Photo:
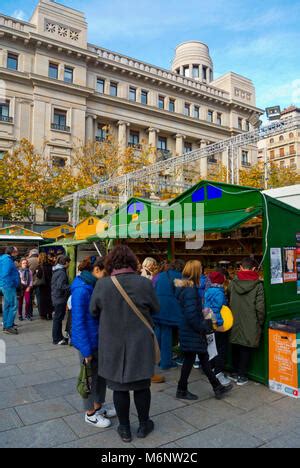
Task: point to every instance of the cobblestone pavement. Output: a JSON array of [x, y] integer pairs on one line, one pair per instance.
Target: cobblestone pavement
[[39, 406]]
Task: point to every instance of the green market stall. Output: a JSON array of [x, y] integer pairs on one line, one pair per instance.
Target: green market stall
[[238, 221]]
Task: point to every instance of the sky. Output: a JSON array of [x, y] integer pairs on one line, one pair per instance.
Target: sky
[[257, 39]]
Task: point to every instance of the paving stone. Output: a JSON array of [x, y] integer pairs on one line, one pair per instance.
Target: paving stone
[[26, 380], [168, 428], [264, 422], [20, 358], [9, 419], [7, 370], [251, 396], [21, 396], [172, 445], [75, 400], [108, 438], [44, 411], [69, 373], [198, 417], [224, 410], [25, 349], [224, 435], [56, 389], [46, 434], [6, 384], [161, 403], [290, 406], [285, 441], [57, 352], [69, 361], [39, 366]]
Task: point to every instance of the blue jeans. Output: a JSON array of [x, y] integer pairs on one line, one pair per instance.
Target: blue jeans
[[164, 338], [10, 306]]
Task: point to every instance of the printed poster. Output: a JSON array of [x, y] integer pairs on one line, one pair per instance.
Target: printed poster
[[289, 264], [298, 261], [276, 266]]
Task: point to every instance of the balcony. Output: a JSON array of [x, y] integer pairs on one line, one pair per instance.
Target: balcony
[[136, 146], [100, 139], [163, 155], [212, 161], [246, 164], [5, 118], [60, 128]]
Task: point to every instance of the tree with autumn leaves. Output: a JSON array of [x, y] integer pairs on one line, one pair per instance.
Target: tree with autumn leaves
[[29, 180]]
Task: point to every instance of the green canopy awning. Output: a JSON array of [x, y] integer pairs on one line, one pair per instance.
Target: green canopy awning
[[227, 221], [66, 243]]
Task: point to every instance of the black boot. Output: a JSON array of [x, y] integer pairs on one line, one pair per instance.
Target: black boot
[[186, 395], [221, 391], [145, 429], [125, 433]]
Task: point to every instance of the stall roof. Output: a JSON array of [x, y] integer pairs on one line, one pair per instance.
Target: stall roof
[[65, 242], [289, 195], [19, 233]]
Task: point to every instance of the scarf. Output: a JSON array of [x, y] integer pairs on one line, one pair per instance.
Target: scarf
[[88, 278], [122, 271], [25, 276]]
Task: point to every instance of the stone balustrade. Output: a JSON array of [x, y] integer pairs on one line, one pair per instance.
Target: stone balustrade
[[159, 72]]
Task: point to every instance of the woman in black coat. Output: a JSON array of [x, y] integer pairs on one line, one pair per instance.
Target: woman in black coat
[[44, 277], [126, 346], [192, 332]]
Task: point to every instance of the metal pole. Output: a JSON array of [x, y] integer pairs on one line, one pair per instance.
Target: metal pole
[[75, 210], [266, 170]]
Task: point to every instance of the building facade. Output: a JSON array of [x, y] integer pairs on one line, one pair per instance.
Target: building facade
[[284, 149], [59, 91]]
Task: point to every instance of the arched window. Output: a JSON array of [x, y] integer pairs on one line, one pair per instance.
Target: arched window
[[272, 141], [291, 135], [281, 138]]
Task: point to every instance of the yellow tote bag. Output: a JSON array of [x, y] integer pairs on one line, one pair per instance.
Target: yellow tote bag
[[228, 320]]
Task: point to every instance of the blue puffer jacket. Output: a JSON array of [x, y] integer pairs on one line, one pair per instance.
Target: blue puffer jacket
[[192, 328], [9, 275], [215, 298], [84, 326], [170, 310]]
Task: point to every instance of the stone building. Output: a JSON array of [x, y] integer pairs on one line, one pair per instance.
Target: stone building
[[284, 149], [59, 91]]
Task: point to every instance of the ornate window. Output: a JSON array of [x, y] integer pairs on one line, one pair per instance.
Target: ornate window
[[74, 35], [62, 31], [51, 28]]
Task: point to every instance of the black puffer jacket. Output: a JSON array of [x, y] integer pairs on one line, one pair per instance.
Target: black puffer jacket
[[60, 287], [192, 328]]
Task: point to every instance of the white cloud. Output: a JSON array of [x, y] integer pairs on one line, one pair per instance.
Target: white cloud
[[287, 93], [19, 14]]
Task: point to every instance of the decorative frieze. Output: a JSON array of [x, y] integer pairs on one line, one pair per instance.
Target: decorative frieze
[[241, 93], [61, 31]]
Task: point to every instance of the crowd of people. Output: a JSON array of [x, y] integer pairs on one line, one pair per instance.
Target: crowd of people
[[124, 318]]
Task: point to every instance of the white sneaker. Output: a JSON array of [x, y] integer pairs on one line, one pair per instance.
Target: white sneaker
[[223, 380], [108, 410], [97, 420]]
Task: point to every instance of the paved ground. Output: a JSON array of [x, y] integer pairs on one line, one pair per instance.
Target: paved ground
[[39, 406]]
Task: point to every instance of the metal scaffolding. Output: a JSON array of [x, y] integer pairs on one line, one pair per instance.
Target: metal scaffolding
[[153, 173]]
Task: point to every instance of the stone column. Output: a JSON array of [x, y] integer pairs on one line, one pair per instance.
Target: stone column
[[152, 141], [203, 161], [122, 134], [180, 144], [89, 132]]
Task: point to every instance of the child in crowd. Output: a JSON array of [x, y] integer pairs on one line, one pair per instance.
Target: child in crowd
[[193, 329], [247, 303], [26, 279], [214, 300]]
